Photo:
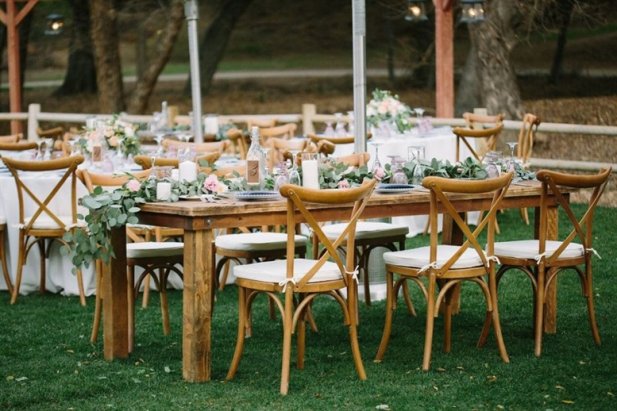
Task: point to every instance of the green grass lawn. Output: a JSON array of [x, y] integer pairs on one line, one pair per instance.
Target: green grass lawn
[[47, 362]]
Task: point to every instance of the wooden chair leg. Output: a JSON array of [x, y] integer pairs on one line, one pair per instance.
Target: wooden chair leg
[[447, 323], [5, 269], [407, 298], [80, 286], [387, 328], [42, 266], [539, 311], [590, 305], [524, 215], [352, 304], [430, 324], [242, 318], [287, 330], [98, 300], [164, 304], [20, 268], [130, 296], [301, 340], [145, 300]]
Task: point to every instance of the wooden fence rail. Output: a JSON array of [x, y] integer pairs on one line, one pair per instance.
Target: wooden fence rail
[[309, 116]]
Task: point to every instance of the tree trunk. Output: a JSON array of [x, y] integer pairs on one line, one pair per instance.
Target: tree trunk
[[564, 10], [494, 40], [468, 95], [103, 17], [214, 41], [80, 74], [147, 81]]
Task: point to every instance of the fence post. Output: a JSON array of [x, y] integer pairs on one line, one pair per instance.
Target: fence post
[[33, 120], [308, 111]]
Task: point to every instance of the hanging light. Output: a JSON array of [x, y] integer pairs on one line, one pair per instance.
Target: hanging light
[[54, 25], [473, 11], [416, 10]]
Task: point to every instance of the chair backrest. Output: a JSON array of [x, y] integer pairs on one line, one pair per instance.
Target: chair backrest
[[488, 134], [238, 142], [220, 146], [440, 203], [581, 228], [287, 130], [280, 146], [68, 164], [145, 162], [298, 212], [526, 136], [92, 180], [355, 160], [480, 121], [18, 146], [260, 122], [13, 138]]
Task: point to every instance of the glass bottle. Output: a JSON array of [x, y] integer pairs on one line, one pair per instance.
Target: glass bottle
[[255, 162]]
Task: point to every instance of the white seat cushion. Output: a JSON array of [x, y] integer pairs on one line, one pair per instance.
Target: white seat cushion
[[366, 230], [256, 241], [529, 249], [2, 219], [276, 271], [419, 257], [154, 249], [44, 222]]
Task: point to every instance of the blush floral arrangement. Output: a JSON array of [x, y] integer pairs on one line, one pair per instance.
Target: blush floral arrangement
[[387, 108]]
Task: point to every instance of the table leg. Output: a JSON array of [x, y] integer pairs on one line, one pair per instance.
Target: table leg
[[115, 303], [197, 305], [550, 307]]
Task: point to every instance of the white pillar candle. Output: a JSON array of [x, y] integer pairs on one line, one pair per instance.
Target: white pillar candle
[[163, 191], [175, 174], [187, 171], [211, 125], [310, 174], [91, 123]]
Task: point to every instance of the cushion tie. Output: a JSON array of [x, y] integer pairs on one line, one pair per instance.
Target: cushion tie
[[285, 282], [492, 258], [426, 267], [539, 257], [353, 274], [594, 251]]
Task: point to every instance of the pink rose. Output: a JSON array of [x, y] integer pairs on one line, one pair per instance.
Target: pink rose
[[343, 184], [211, 183], [379, 173], [133, 186]]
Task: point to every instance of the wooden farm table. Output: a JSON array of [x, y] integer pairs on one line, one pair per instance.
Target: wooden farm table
[[199, 219]]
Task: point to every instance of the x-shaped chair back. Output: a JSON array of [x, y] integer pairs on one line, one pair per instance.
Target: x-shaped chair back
[[68, 164], [440, 202], [298, 212], [526, 136], [489, 134], [581, 227]]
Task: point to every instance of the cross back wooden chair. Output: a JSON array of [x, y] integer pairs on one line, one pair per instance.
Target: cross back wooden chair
[[480, 121], [305, 278], [524, 147], [157, 259], [145, 162], [489, 135], [44, 225], [316, 139], [448, 265], [238, 142], [543, 259], [13, 138], [279, 146], [287, 130], [370, 235]]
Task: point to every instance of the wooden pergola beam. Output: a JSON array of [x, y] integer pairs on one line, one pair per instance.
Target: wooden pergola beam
[[12, 18], [444, 59]]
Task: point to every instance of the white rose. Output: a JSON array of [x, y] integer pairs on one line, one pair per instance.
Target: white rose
[[129, 131]]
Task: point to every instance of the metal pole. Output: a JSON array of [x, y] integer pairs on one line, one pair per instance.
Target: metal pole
[[190, 11], [359, 74]]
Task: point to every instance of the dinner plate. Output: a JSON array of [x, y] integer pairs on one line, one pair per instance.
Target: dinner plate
[[190, 198], [206, 198], [258, 195], [394, 188]]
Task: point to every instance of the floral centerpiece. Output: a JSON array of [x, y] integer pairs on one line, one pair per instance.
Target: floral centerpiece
[[385, 107], [122, 135]]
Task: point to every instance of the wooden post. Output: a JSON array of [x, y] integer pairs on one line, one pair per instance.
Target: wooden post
[[12, 19], [33, 121], [308, 111], [444, 59]]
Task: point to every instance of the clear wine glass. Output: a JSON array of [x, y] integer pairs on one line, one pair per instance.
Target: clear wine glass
[[419, 112], [39, 154], [329, 131], [294, 175], [376, 163], [512, 162], [48, 148]]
